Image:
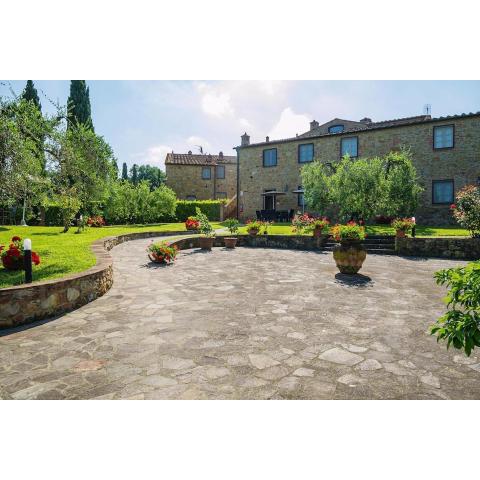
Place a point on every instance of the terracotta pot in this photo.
(156, 258)
(230, 242)
(401, 234)
(206, 243)
(349, 257)
(253, 232)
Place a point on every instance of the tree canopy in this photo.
(78, 106)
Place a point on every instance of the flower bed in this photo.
(13, 256)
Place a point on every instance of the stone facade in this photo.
(455, 248)
(184, 176)
(460, 163)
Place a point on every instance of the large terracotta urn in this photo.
(206, 243)
(349, 256)
(253, 232)
(230, 242)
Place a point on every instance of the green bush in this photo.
(460, 325)
(187, 208)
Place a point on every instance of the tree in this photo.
(124, 171)
(402, 188)
(153, 175)
(358, 187)
(78, 106)
(316, 179)
(134, 174)
(30, 94)
(466, 209)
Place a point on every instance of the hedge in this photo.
(186, 208)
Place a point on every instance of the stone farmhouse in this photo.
(445, 150)
(201, 177)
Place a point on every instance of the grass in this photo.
(446, 231)
(65, 253)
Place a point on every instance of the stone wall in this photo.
(186, 180)
(40, 300)
(455, 248)
(461, 163)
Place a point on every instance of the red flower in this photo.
(35, 258)
(14, 252)
(16, 239)
(453, 206)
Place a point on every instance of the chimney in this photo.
(267, 139)
(189, 152)
(313, 125)
(366, 120)
(220, 155)
(245, 140)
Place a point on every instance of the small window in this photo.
(336, 129)
(221, 194)
(191, 198)
(270, 157)
(301, 198)
(349, 146)
(220, 171)
(305, 153)
(442, 192)
(443, 137)
(206, 173)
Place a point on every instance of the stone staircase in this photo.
(379, 244)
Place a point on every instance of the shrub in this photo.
(162, 252)
(349, 232)
(460, 325)
(301, 222)
(205, 227)
(466, 209)
(12, 257)
(232, 224)
(192, 223)
(96, 221)
(187, 208)
(383, 219)
(403, 224)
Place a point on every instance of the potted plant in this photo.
(300, 223)
(402, 226)
(253, 227)
(205, 228)
(349, 254)
(162, 252)
(265, 226)
(192, 223)
(12, 257)
(232, 224)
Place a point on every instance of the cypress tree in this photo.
(78, 107)
(124, 171)
(135, 174)
(30, 93)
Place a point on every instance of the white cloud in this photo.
(214, 102)
(245, 123)
(289, 124)
(196, 142)
(154, 156)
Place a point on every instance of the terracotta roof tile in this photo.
(198, 159)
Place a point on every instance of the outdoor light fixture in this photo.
(27, 259)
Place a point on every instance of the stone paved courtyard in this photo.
(245, 324)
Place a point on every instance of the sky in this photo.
(143, 120)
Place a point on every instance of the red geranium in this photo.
(13, 257)
(192, 223)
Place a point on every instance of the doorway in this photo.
(269, 202)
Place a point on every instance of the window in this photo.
(442, 192)
(349, 146)
(220, 171)
(443, 137)
(206, 173)
(305, 153)
(191, 198)
(301, 198)
(336, 129)
(270, 157)
(221, 194)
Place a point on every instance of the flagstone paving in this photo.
(245, 324)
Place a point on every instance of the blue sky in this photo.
(143, 120)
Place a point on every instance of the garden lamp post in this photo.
(27, 259)
(23, 222)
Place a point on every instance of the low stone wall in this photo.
(40, 300)
(457, 248)
(263, 241)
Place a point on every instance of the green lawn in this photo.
(64, 253)
(447, 231)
